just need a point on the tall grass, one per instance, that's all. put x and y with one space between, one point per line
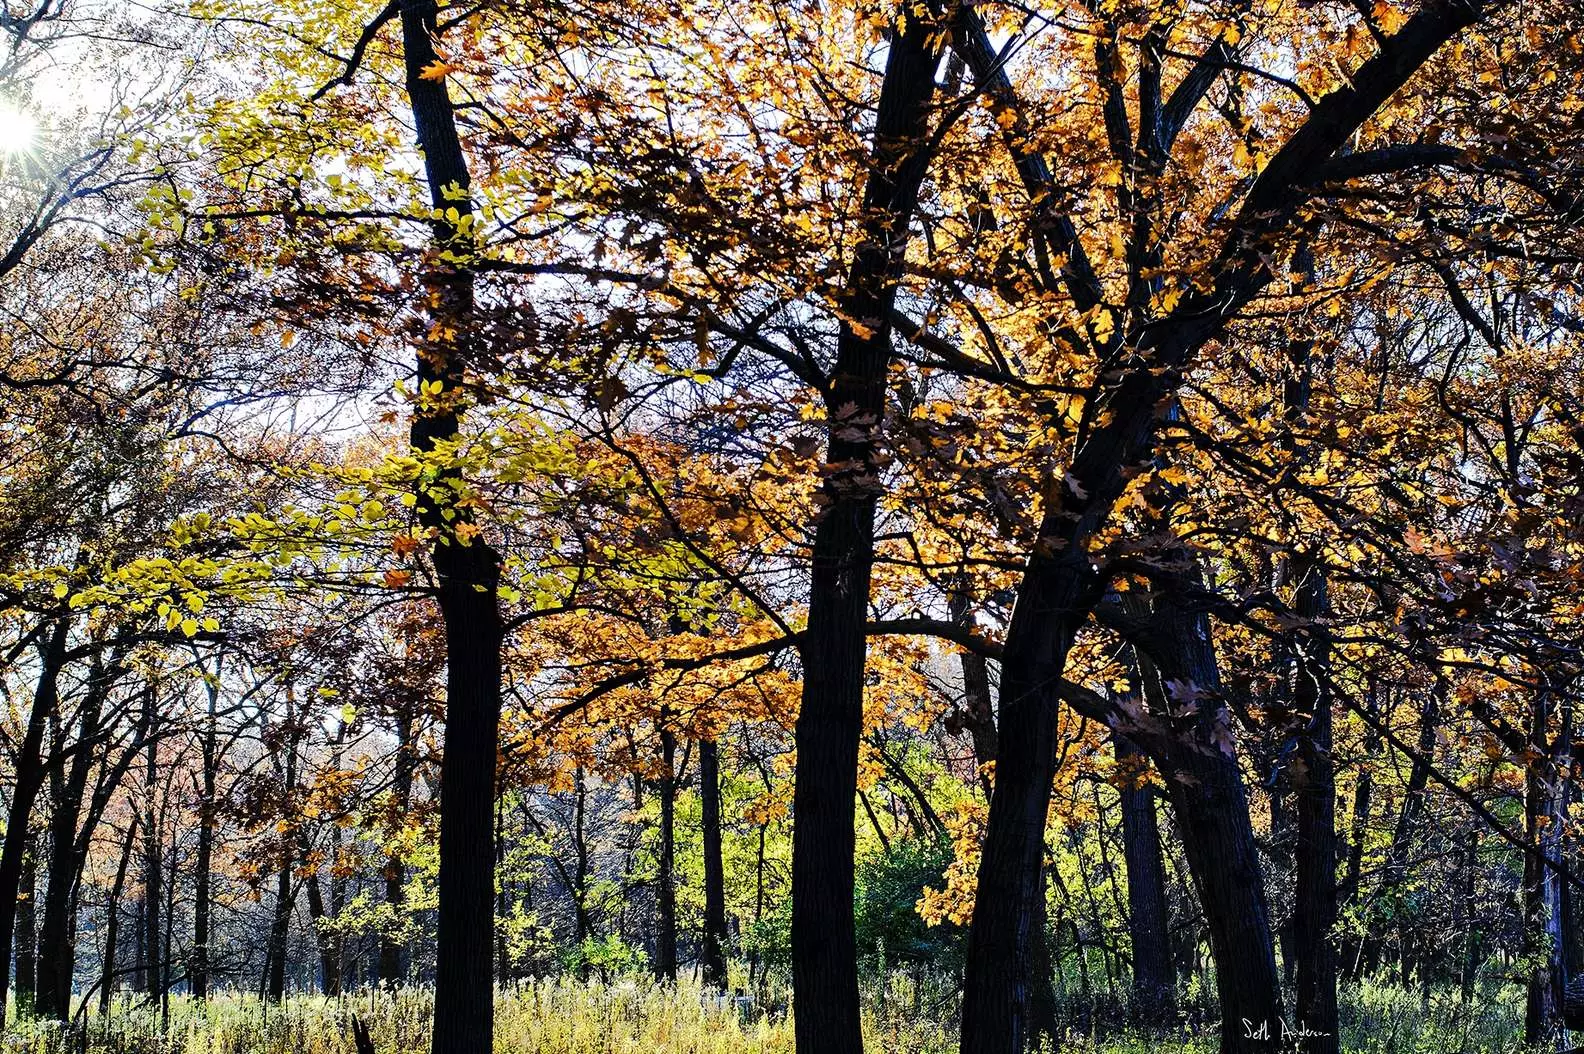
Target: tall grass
633 1015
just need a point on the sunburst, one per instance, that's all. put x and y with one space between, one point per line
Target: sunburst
19 131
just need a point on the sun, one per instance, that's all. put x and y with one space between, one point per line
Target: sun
18 131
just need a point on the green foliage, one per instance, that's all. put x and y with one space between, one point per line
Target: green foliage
607 956
889 927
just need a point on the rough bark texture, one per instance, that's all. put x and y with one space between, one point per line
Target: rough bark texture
1314 793
1210 803
280 923
830 721
714 944
1154 980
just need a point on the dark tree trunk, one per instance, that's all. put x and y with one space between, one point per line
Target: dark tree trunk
1212 815
26 783
583 925
1205 785
665 878
203 863
469 578
27 929
280 926
325 939
68 856
1001 964
830 721
1545 820
1314 793
389 970
714 945
107 973
153 861
1154 980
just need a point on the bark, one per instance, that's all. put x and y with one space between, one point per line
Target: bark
714 944
1205 785
830 720
27 929
325 939
1545 817
107 974
468 573
1154 980
389 969
203 864
1314 791
665 936
26 783
280 927
68 855
153 862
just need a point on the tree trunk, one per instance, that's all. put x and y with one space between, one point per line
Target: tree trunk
714 945
27 781
665 878
68 856
468 572
107 974
1001 962
325 939
389 968
153 862
1545 821
1154 981
1205 785
203 863
280 927
27 929
1314 792
833 649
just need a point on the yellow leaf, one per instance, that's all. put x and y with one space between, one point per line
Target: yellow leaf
436 71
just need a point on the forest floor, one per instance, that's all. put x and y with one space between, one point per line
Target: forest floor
633 1015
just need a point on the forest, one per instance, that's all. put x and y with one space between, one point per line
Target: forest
754 527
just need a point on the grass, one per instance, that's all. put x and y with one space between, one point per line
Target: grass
633 1015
